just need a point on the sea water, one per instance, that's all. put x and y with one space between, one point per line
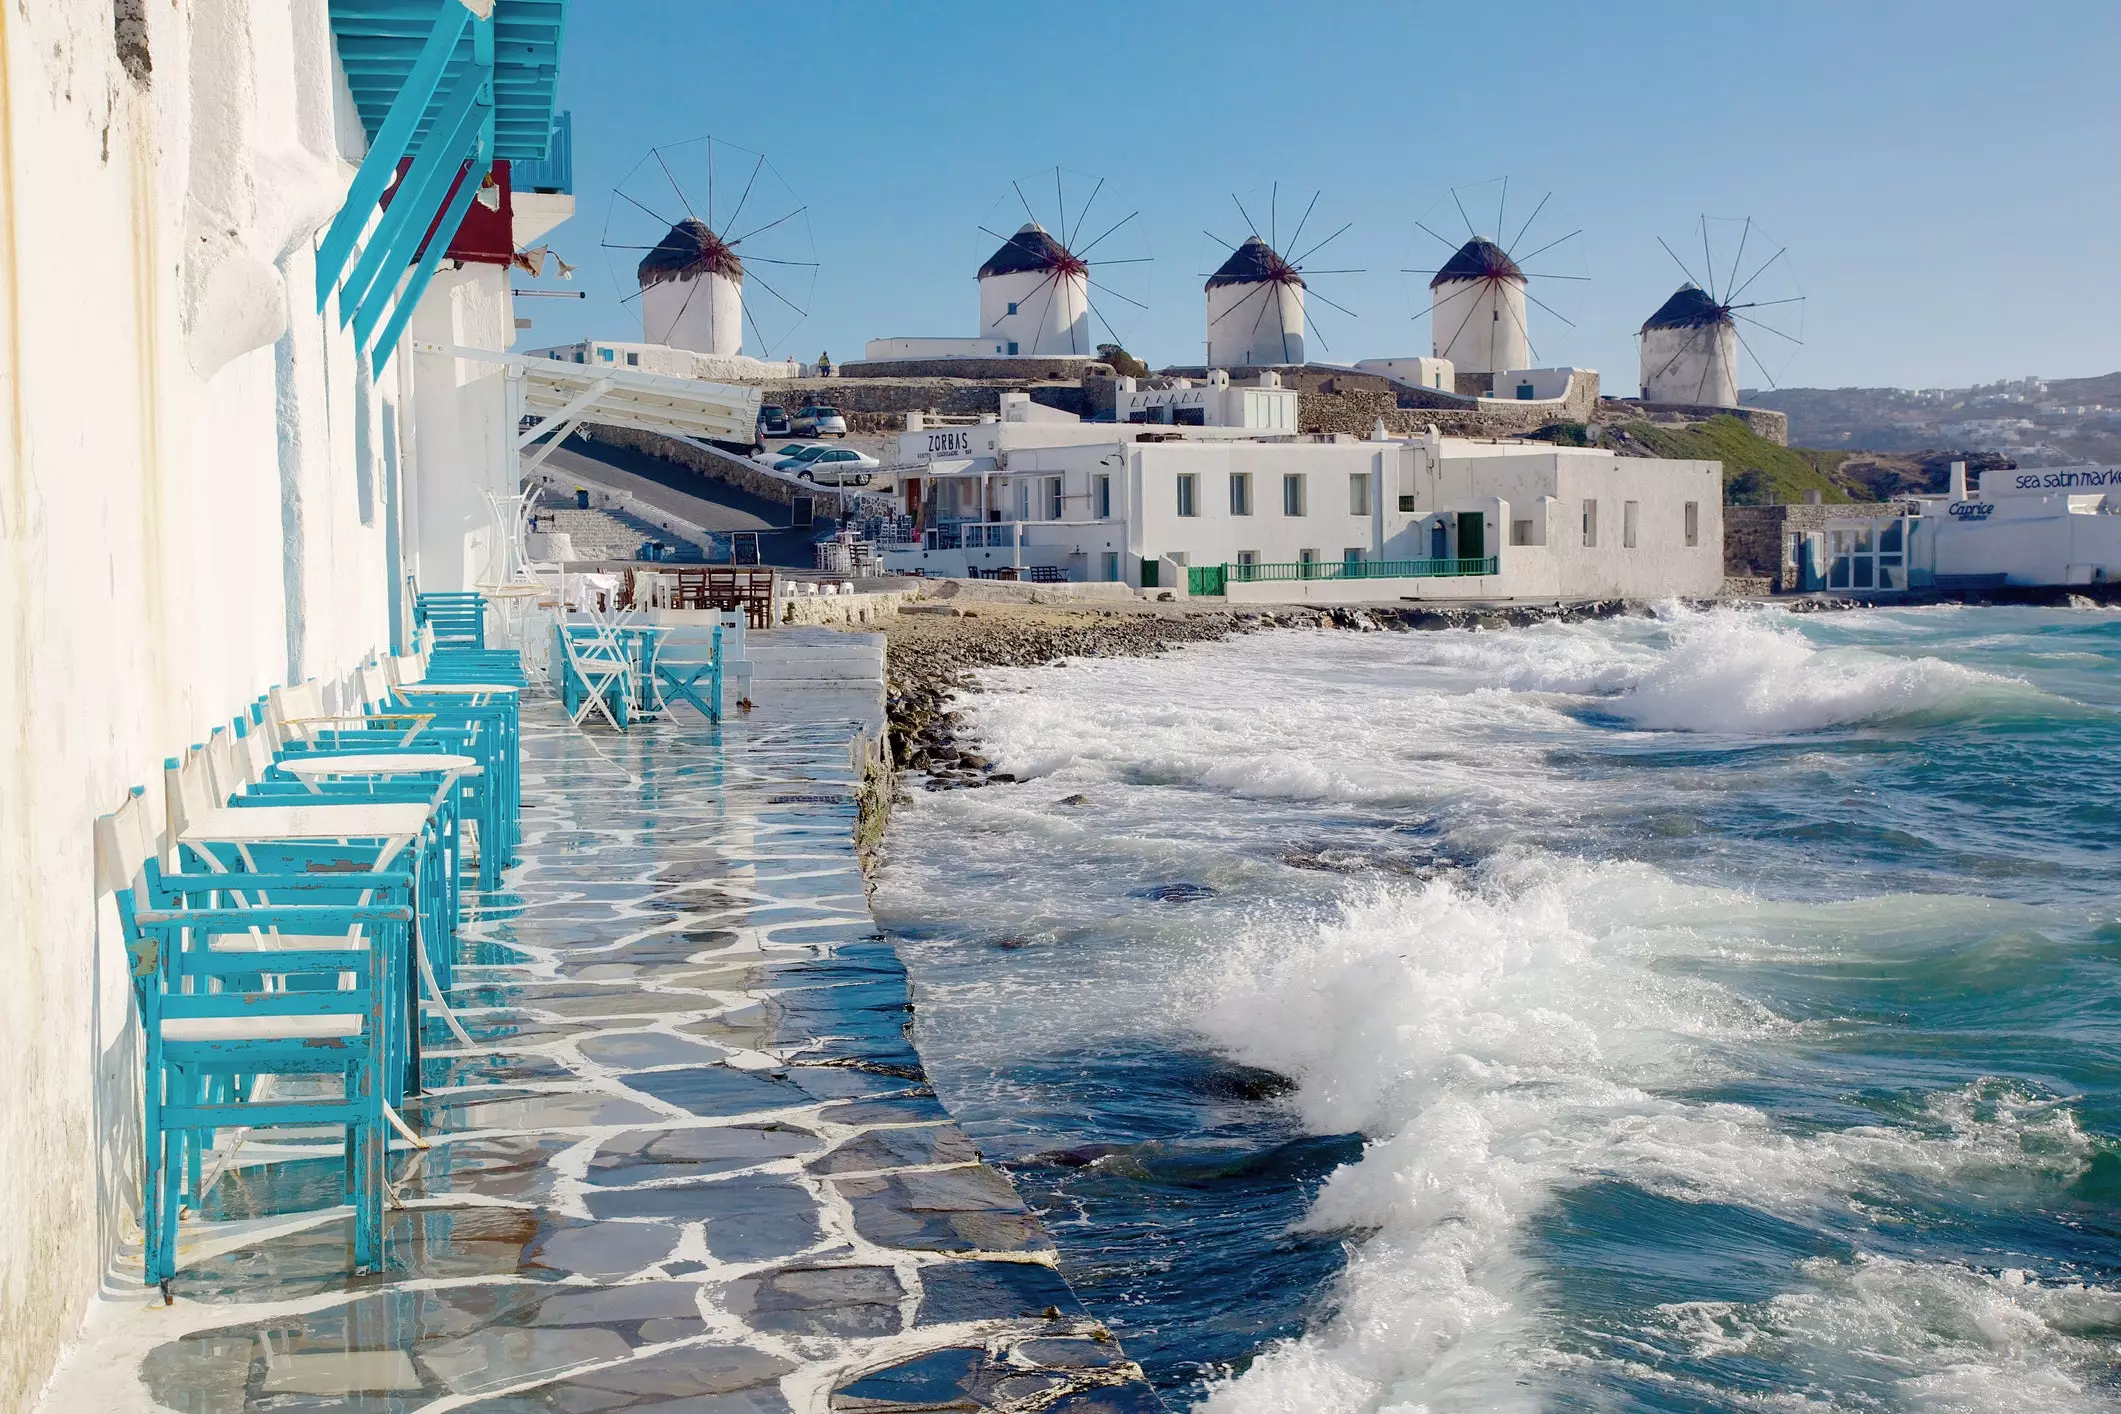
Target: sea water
1719 1010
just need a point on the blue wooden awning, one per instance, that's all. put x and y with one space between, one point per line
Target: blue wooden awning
452 85
380 41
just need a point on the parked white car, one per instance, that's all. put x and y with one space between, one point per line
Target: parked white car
838 466
774 456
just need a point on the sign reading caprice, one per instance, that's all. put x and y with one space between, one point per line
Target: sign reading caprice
1972 510
2070 478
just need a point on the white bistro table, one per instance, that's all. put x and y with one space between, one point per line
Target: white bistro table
316 766
393 825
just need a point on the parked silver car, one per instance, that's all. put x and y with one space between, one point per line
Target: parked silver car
838 466
817 420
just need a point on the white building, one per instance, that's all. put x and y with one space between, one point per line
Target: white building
2050 526
692 292
670 362
1690 351
1034 301
1477 310
1263 405
1252 513
1435 374
1255 309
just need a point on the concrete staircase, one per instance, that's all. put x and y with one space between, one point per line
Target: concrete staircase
613 535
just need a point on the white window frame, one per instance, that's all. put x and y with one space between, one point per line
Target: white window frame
1693 523
1240 493
1188 494
1294 493
1590 524
1101 497
1358 493
1630 524
1050 497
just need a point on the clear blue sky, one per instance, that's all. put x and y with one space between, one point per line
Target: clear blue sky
1944 175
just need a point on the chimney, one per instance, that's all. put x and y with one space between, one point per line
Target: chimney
1958 481
1811 498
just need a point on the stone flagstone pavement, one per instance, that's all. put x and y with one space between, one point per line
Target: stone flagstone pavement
689 1161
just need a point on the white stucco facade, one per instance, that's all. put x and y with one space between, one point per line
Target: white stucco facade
2031 527
1479 325
1094 502
704 313
1256 323
1036 312
1695 364
1436 374
204 491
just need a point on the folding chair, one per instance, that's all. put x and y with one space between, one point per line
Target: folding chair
215 1017
684 656
600 669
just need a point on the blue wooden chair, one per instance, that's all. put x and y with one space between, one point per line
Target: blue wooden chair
687 663
238 980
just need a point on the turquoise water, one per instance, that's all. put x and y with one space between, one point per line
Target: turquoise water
1717 1011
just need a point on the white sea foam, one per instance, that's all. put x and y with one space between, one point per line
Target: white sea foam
1505 1036
1733 671
1495 1050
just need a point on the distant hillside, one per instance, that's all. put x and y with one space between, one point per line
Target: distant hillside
1755 472
2033 421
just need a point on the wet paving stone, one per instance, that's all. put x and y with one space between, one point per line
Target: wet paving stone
670 942
970 1209
650 1155
898 1148
833 1301
719 1090
701 1379
975 1291
642 1050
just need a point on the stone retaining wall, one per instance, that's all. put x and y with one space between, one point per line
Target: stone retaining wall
1021 369
847 610
879 405
1766 423
1756 539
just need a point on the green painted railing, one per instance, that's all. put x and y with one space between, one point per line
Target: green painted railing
1211 579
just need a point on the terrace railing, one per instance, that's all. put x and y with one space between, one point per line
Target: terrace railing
1211 579
971 535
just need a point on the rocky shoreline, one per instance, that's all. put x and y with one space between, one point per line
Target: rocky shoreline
933 650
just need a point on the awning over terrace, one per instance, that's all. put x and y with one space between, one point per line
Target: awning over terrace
452 85
561 395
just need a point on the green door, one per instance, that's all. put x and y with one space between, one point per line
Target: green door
1472 535
1205 579
1148 573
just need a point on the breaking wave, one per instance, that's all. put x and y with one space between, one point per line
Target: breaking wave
1750 672
1498 1044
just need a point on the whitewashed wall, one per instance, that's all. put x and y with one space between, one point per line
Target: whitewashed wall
1052 315
1479 325
704 313
1696 365
199 497
1254 324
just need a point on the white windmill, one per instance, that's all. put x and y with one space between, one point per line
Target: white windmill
1035 290
694 269
1257 314
1691 345
1478 297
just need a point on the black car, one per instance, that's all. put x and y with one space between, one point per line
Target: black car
773 420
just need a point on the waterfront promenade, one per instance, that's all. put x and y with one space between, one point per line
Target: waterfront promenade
689 1160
